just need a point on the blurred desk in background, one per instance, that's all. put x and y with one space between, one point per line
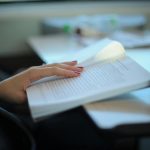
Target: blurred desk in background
129 109
52 48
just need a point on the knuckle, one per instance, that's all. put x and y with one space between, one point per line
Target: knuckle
70 67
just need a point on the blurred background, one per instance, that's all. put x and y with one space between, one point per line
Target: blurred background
21 19
26 24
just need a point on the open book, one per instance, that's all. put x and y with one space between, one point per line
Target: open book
107 72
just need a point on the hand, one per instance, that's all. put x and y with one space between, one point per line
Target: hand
14 88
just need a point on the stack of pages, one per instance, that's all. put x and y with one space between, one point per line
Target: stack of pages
108 72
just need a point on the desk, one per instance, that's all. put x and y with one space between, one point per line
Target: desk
130 108
52 48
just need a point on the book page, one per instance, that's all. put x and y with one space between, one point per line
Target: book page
95 79
103 50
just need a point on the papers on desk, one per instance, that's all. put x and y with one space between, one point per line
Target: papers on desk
54 48
130 40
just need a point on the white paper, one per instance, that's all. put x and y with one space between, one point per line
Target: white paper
105 49
130 40
93 84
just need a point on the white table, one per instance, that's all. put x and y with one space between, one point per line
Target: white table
52 48
130 108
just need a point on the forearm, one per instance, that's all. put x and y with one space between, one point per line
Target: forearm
9 90
3 89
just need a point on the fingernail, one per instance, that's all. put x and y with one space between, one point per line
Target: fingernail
74 61
77 72
81 67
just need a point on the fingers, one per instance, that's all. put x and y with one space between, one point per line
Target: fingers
69 67
65 65
39 73
64 70
71 63
60 72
